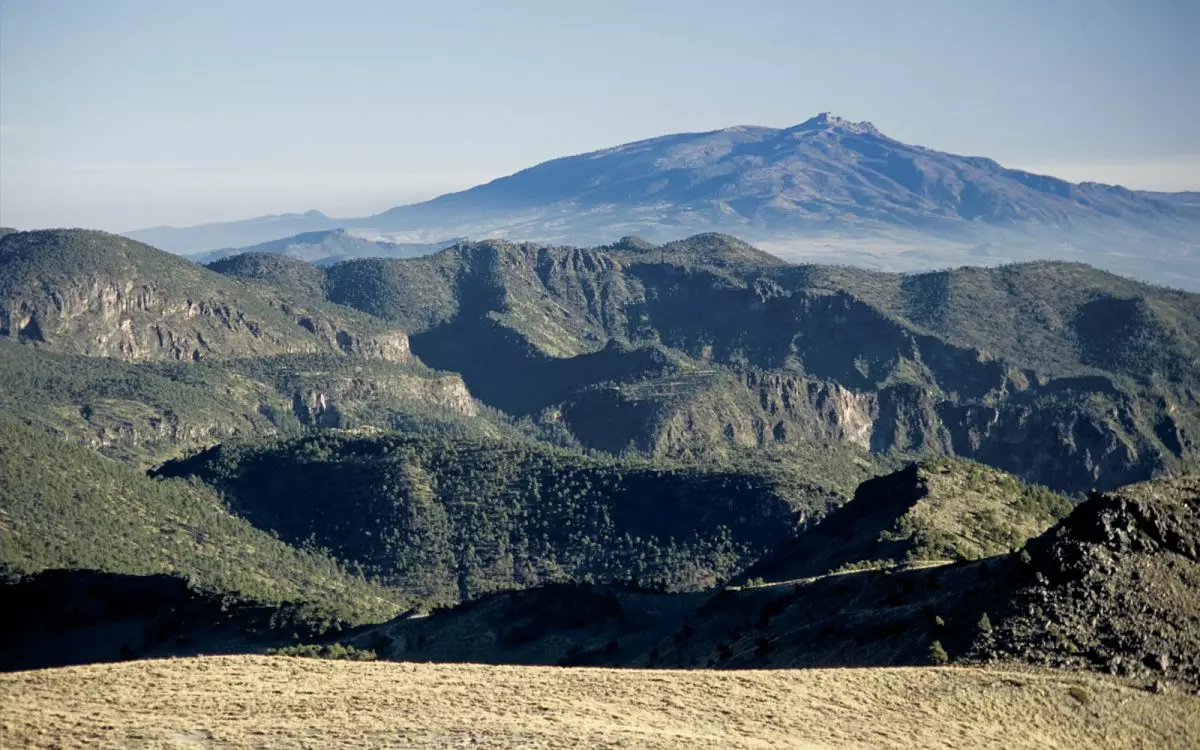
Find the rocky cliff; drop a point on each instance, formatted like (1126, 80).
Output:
(101, 295)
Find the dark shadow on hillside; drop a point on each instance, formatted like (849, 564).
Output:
(62, 617)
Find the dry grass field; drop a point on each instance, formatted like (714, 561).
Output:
(280, 702)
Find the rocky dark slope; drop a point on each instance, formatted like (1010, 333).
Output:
(1117, 587)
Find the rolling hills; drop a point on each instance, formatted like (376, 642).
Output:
(448, 520)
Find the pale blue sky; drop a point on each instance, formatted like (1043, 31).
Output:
(121, 114)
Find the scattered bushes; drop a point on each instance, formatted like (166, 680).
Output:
(324, 651)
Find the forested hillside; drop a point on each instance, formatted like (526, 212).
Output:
(448, 519)
(149, 412)
(64, 506)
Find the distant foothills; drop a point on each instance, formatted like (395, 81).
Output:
(826, 190)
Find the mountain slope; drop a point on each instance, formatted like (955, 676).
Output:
(148, 412)
(64, 506)
(60, 617)
(933, 510)
(451, 518)
(1063, 374)
(826, 189)
(1118, 587)
(234, 233)
(822, 169)
(1111, 588)
(100, 294)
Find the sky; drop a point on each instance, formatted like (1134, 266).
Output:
(123, 114)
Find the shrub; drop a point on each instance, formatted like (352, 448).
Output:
(326, 651)
(937, 654)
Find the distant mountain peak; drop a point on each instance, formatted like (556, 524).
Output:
(827, 188)
(829, 121)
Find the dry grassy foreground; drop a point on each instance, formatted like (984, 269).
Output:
(248, 701)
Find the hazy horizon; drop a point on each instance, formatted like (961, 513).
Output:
(129, 114)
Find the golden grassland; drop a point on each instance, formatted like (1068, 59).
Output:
(284, 702)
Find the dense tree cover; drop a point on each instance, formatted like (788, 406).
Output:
(287, 273)
(448, 519)
(1059, 319)
(64, 506)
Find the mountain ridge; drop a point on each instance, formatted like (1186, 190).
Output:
(326, 246)
(825, 188)
(697, 348)
(707, 343)
(102, 294)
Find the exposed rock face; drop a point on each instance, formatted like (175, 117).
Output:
(704, 342)
(1117, 587)
(1071, 434)
(99, 295)
(138, 322)
(113, 428)
(356, 398)
(1009, 367)
(390, 346)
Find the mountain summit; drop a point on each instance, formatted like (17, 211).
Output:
(826, 189)
(829, 121)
